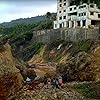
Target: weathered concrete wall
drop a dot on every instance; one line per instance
(47, 36)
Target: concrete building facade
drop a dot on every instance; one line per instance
(84, 15)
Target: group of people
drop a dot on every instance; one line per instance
(48, 82)
(55, 82)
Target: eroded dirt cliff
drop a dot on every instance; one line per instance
(10, 77)
(74, 61)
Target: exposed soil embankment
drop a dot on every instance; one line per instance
(74, 61)
(10, 77)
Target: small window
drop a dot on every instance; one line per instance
(64, 10)
(60, 18)
(60, 5)
(92, 6)
(70, 9)
(64, 4)
(98, 15)
(79, 14)
(64, 17)
(84, 6)
(59, 11)
(84, 13)
(74, 8)
(91, 13)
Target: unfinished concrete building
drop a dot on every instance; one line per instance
(70, 15)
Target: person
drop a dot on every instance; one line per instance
(60, 81)
(55, 83)
(48, 83)
(45, 81)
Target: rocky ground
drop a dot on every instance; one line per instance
(44, 93)
(73, 65)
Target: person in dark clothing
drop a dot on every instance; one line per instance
(54, 82)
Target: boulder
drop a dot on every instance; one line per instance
(10, 78)
(22, 66)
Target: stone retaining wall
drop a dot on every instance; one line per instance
(71, 34)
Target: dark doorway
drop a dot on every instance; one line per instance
(78, 23)
(84, 22)
(60, 25)
(96, 23)
(72, 24)
(92, 22)
(68, 24)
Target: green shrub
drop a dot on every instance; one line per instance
(84, 45)
(90, 90)
(30, 50)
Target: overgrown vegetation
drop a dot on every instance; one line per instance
(20, 36)
(83, 45)
(31, 49)
(90, 90)
(22, 27)
(76, 47)
(87, 1)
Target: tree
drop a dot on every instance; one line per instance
(48, 15)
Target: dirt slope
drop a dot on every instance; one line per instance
(10, 77)
(80, 61)
(95, 62)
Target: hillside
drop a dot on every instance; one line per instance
(32, 20)
(27, 66)
(24, 20)
(75, 61)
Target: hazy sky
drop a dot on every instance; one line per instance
(14, 9)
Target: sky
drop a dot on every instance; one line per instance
(15, 9)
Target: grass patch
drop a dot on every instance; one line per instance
(90, 90)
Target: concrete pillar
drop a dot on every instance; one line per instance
(81, 23)
(58, 25)
(74, 24)
(88, 22)
(65, 24)
(70, 24)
